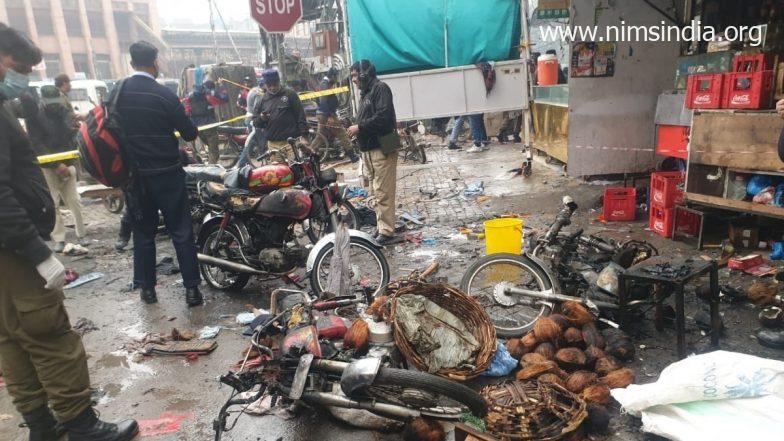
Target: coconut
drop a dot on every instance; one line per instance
(357, 337)
(532, 358)
(561, 320)
(576, 313)
(596, 393)
(620, 348)
(574, 337)
(592, 354)
(532, 371)
(606, 364)
(422, 429)
(619, 379)
(551, 378)
(546, 350)
(545, 329)
(570, 359)
(529, 341)
(591, 336)
(516, 348)
(578, 381)
(598, 420)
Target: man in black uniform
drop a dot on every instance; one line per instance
(281, 114)
(150, 113)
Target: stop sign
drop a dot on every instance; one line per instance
(276, 15)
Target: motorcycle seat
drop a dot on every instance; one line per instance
(219, 192)
(228, 130)
(196, 173)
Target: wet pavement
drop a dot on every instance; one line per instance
(187, 393)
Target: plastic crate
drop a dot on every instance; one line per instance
(687, 223)
(620, 204)
(705, 91)
(665, 190)
(749, 90)
(660, 220)
(753, 63)
(673, 141)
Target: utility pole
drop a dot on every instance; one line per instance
(281, 58)
(212, 28)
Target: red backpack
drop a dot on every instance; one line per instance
(101, 143)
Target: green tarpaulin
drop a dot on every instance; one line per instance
(410, 35)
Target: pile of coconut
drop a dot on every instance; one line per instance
(568, 349)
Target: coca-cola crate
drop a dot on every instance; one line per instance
(749, 90)
(753, 63)
(666, 188)
(705, 91)
(620, 204)
(660, 220)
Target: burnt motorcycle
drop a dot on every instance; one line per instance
(249, 233)
(516, 290)
(307, 367)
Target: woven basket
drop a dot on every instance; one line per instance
(463, 307)
(532, 410)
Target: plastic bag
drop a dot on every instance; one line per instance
(778, 198)
(778, 251)
(765, 197)
(716, 396)
(757, 184)
(503, 363)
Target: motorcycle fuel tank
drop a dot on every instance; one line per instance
(270, 177)
(294, 204)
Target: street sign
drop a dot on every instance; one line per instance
(276, 16)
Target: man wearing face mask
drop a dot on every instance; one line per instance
(150, 113)
(42, 358)
(279, 112)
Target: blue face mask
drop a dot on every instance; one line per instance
(14, 84)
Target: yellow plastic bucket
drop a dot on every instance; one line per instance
(504, 236)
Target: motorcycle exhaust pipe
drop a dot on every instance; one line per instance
(228, 265)
(327, 399)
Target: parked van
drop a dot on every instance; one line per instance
(84, 94)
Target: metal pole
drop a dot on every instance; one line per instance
(212, 28)
(349, 60)
(225, 28)
(528, 80)
(281, 58)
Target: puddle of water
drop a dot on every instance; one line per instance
(135, 331)
(120, 359)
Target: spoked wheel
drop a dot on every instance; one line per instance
(432, 395)
(369, 268)
(511, 317)
(227, 247)
(318, 228)
(114, 204)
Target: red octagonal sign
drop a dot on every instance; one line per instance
(276, 15)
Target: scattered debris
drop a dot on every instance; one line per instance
(166, 423)
(209, 332)
(70, 275)
(474, 189)
(167, 267)
(199, 347)
(83, 326)
(245, 318)
(73, 249)
(84, 279)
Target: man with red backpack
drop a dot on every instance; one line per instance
(149, 114)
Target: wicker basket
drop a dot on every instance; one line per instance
(532, 410)
(465, 308)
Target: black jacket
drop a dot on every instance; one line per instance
(328, 105)
(26, 207)
(376, 115)
(150, 113)
(51, 129)
(286, 115)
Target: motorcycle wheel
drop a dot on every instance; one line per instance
(373, 273)
(318, 228)
(114, 204)
(219, 278)
(396, 384)
(481, 279)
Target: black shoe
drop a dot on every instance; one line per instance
(42, 425)
(353, 156)
(87, 427)
(501, 139)
(193, 296)
(517, 139)
(149, 296)
(453, 146)
(121, 243)
(384, 240)
(771, 338)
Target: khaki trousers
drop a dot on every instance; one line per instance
(382, 172)
(42, 358)
(330, 127)
(64, 189)
(210, 139)
(283, 147)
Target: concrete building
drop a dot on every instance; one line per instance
(84, 36)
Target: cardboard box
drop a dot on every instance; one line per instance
(743, 236)
(553, 4)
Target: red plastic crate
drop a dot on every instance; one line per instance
(660, 220)
(705, 91)
(687, 223)
(620, 204)
(665, 191)
(753, 63)
(673, 141)
(749, 90)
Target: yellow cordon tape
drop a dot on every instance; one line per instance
(74, 154)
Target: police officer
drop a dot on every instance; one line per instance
(376, 121)
(279, 112)
(329, 126)
(202, 102)
(43, 359)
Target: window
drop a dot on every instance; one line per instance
(17, 19)
(52, 62)
(119, 6)
(95, 19)
(72, 23)
(78, 95)
(103, 67)
(43, 21)
(81, 64)
(102, 92)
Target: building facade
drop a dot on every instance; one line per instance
(84, 37)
